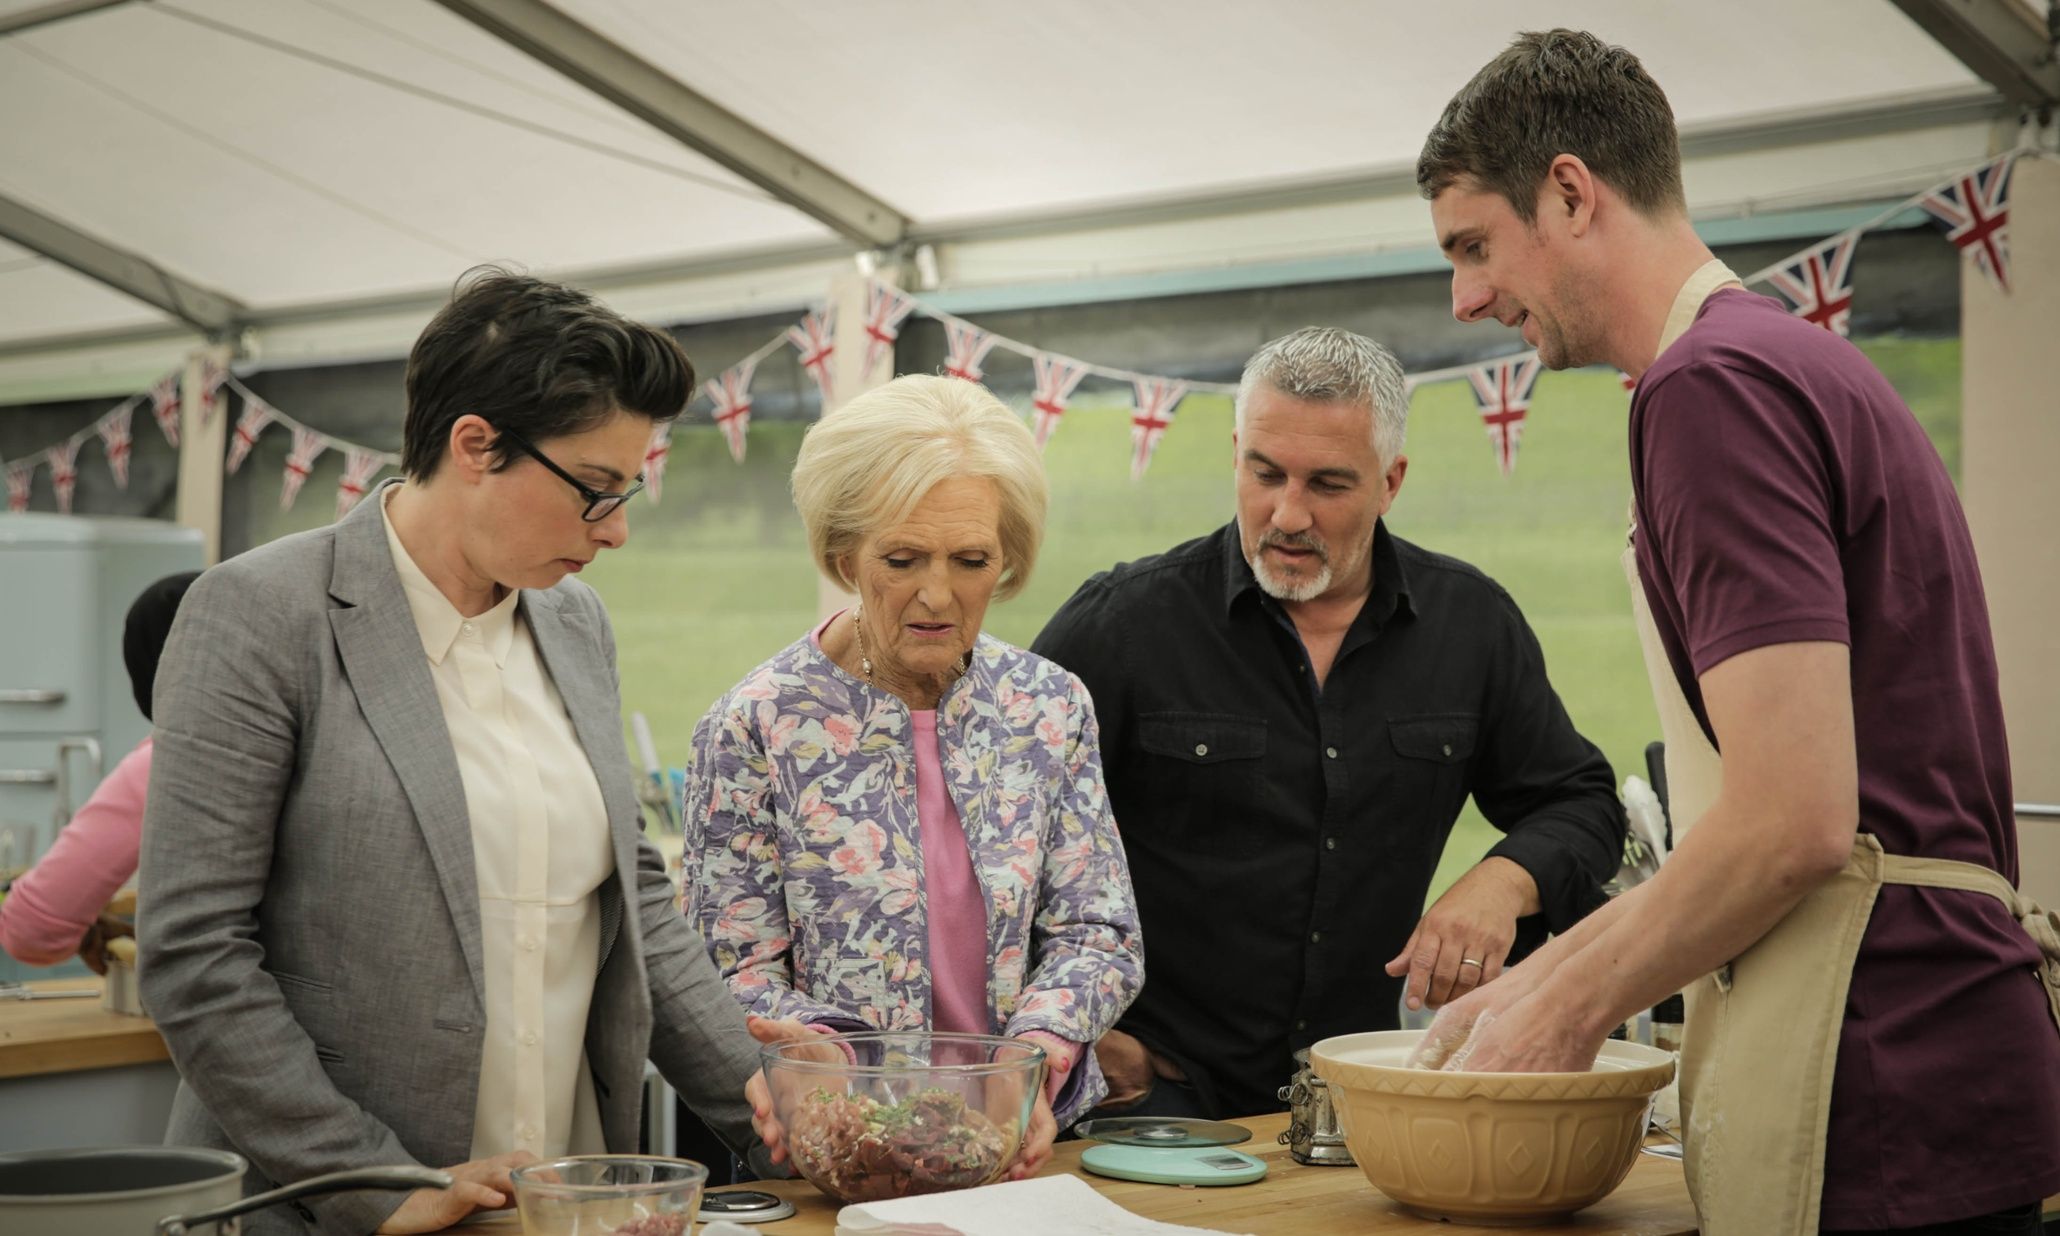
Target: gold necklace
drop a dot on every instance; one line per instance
(865, 663)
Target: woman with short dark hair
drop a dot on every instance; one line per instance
(396, 903)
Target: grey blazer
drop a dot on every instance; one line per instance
(309, 931)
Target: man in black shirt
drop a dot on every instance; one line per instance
(1293, 710)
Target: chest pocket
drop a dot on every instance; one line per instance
(1446, 738)
(1429, 774)
(1205, 778)
(1202, 737)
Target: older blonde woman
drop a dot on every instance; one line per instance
(899, 823)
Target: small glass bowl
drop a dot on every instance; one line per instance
(609, 1195)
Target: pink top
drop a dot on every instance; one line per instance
(956, 907)
(52, 905)
(958, 912)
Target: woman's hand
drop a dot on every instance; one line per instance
(93, 945)
(1037, 1140)
(759, 1095)
(1060, 1055)
(482, 1184)
(1060, 1058)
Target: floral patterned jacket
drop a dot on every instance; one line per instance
(805, 867)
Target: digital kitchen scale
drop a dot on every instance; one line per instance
(744, 1206)
(1169, 1150)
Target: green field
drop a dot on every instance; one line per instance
(716, 578)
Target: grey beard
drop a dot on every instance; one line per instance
(1279, 589)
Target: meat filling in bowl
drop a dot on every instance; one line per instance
(862, 1150)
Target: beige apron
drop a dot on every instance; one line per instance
(1761, 1040)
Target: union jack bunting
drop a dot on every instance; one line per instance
(1156, 400)
(1057, 376)
(731, 394)
(64, 471)
(1818, 283)
(359, 467)
(886, 308)
(114, 435)
(211, 378)
(256, 415)
(815, 338)
(967, 347)
(307, 444)
(21, 474)
(656, 452)
(1502, 391)
(164, 405)
(1974, 211)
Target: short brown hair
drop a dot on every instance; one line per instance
(535, 357)
(1551, 93)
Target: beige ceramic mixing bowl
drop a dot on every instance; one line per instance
(1499, 1148)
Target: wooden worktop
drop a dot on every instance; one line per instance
(64, 1036)
(1293, 1200)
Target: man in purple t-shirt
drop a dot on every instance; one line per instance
(1870, 1046)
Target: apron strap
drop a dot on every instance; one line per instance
(2042, 925)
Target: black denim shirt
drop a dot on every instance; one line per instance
(1282, 838)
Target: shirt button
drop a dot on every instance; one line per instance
(468, 628)
(1315, 937)
(1201, 748)
(1448, 748)
(528, 1132)
(1330, 843)
(529, 1038)
(529, 943)
(1332, 752)
(1301, 1025)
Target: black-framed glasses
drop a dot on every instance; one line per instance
(600, 503)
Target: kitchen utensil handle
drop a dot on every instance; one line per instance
(334, 1182)
(31, 695)
(65, 746)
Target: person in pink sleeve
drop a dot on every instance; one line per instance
(54, 910)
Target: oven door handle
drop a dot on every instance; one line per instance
(31, 695)
(90, 748)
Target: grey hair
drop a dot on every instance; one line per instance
(1323, 364)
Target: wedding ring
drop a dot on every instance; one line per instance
(1468, 961)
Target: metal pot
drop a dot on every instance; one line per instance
(158, 1190)
(1313, 1135)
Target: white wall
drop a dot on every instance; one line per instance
(2010, 450)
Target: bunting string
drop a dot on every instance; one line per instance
(1971, 208)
